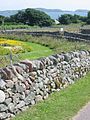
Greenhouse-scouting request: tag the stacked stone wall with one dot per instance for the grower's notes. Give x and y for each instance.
(25, 83)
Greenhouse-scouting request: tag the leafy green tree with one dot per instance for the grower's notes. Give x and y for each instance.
(68, 18)
(36, 17)
(32, 17)
(65, 19)
(75, 18)
(83, 18)
(88, 18)
(2, 20)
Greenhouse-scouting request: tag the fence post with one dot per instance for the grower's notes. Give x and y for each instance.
(10, 58)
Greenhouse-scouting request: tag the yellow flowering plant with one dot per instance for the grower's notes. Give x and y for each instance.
(14, 46)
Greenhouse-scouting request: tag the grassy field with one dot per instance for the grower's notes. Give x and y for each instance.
(36, 51)
(45, 46)
(58, 45)
(61, 105)
(70, 27)
(17, 26)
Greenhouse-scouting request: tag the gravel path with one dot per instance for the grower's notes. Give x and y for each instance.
(83, 114)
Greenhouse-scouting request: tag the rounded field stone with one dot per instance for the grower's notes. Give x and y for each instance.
(2, 96)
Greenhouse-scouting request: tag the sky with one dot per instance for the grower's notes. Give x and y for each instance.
(52, 4)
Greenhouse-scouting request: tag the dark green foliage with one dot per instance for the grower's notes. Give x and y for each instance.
(68, 18)
(83, 18)
(32, 17)
(88, 18)
(2, 20)
(65, 19)
(88, 15)
(75, 19)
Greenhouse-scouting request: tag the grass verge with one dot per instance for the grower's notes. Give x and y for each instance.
(61, 105)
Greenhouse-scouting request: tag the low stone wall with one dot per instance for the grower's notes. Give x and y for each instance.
(33, 33)
(56, 34)
(28, 82)
(77, 36)
(85, 31)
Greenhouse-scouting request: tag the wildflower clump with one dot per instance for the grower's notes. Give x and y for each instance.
(14, 46)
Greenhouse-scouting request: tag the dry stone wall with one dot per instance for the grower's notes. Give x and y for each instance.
(77, 36)
(28, 82)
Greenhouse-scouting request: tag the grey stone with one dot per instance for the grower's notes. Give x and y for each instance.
(19, 88)
(27, 92)
(38, 98)
(30, 97)
(37, 91)
(46, 81)
(2, 96)
(67, 57)
(20, 105)
(2, 83)
(8, 101)
(53, 59)
(3, 115)
(14, 79)
(53, 85)
(32, 102)
(9, 84)
(11, 107)
(3, 107)
(22, 96)
(41, 93)
(35, 86)
(46, 96)
(16, 98)
(40, 85)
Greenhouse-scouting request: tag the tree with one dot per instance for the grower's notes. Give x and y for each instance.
(68, 18)
(2, 20)
(65, 19)
(32, 17)
(75, 18)
(88, 18)
(83, 18)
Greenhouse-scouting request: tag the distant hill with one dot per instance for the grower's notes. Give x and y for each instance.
(7, 13)
(54, 13)
(81, 10)
(49, 10)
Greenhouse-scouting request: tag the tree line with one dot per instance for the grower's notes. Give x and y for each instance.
(68, 19)
(38, 18)
(30, 17)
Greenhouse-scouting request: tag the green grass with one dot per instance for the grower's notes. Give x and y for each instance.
(37, 51)
(58, 45)
(45, 46)
(16, 26)
(61, 105)
(70, 27)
